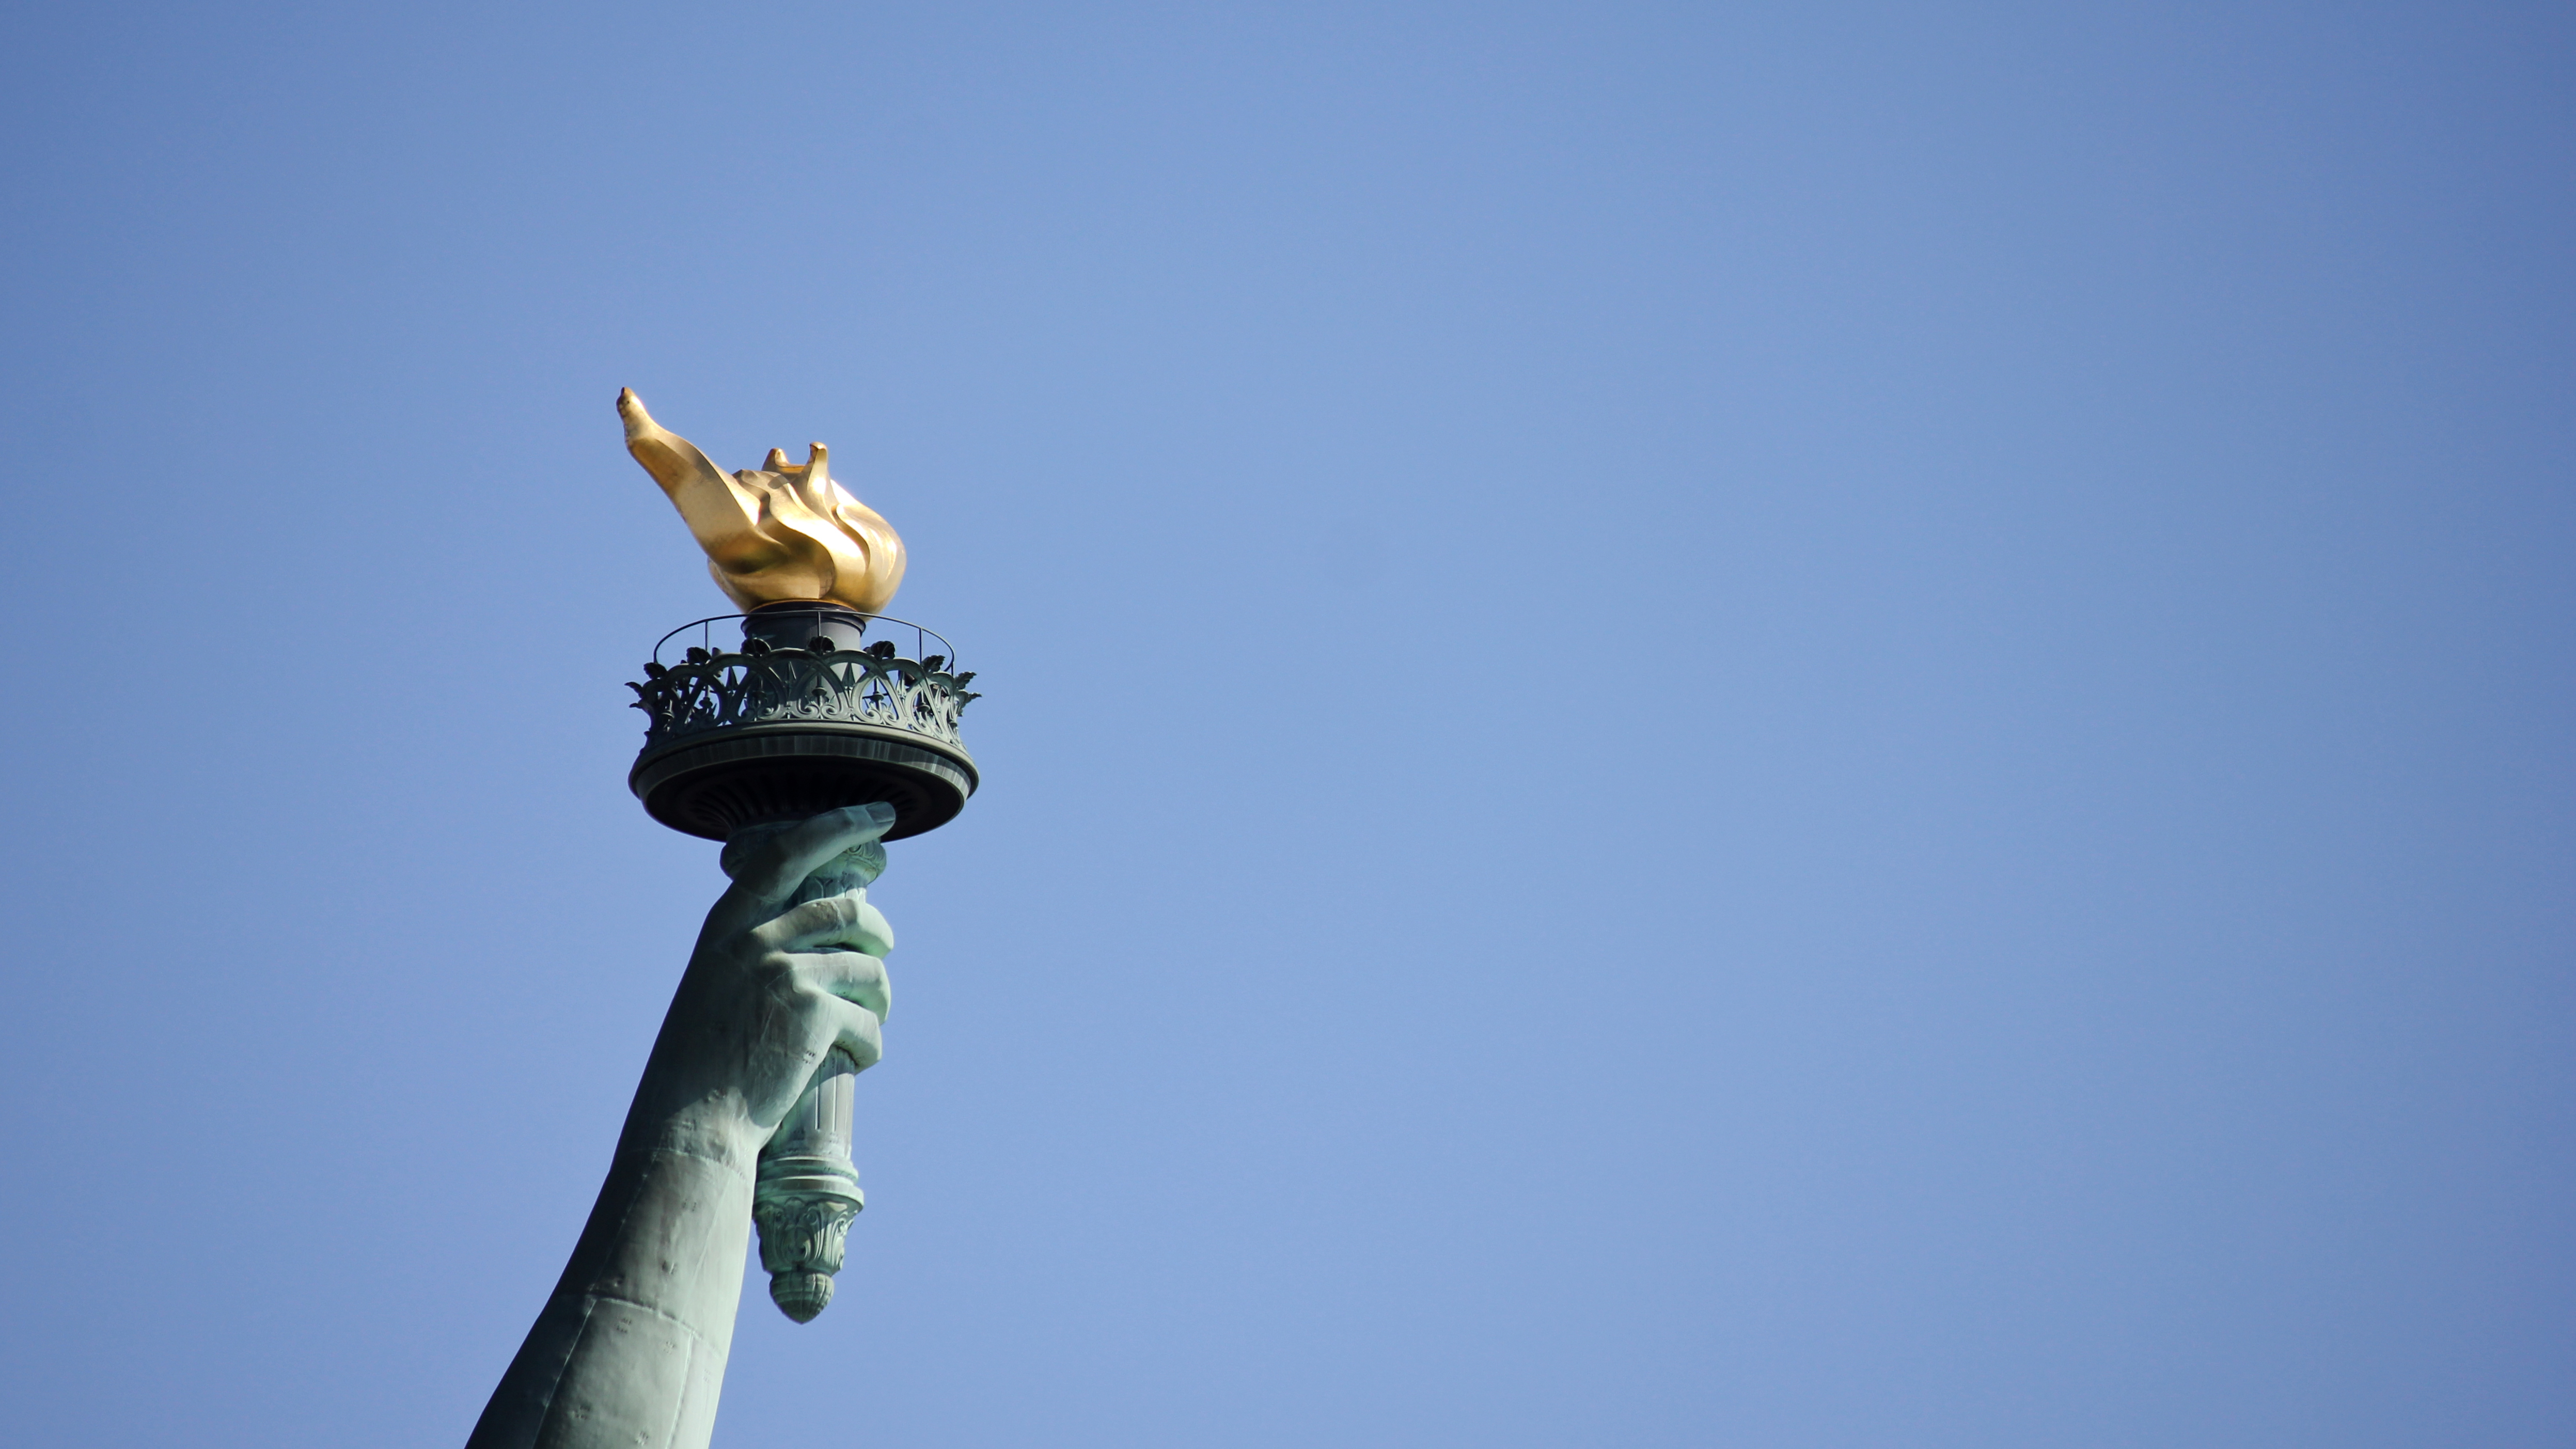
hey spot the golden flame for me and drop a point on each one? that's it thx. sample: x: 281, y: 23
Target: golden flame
x: 777, y: 534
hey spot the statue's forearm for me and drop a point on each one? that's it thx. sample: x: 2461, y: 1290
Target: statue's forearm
x: 630, y: 1350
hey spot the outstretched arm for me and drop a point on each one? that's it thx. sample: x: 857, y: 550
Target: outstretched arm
x: 630, y: 1349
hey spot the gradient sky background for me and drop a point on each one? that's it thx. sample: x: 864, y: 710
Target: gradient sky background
x: 1821, y: 725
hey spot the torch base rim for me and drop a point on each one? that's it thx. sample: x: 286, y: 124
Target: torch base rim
x: 716, y: 785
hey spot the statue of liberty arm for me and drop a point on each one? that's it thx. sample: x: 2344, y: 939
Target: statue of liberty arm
x: 786, y: 987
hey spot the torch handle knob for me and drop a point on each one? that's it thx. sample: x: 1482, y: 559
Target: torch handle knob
x: 807, y: 1193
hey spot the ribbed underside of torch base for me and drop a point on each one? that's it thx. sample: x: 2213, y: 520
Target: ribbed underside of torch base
x: 713, y: 785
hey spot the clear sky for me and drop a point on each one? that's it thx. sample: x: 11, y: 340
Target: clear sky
x: 1799, y: 725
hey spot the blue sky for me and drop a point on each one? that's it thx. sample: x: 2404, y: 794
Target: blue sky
x: 1791, y: 726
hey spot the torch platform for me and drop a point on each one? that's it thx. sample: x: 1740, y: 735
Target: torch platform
x: 804, y: 714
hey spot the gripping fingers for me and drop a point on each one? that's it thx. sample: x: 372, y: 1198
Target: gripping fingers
x: 853, y: 976
x: 780, y: 865
x: 858, y: 1032
x: 843, y: 920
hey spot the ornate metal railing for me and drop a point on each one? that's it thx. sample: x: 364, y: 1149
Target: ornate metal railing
x: 708, y: 687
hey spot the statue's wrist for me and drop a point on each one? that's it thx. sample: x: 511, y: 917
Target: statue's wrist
x: 670, y: 1237
x: 713, y: 1131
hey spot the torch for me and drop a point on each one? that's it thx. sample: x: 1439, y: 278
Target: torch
x: 809, y: 700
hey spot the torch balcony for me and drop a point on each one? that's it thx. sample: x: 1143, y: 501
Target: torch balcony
x: 803, y: 715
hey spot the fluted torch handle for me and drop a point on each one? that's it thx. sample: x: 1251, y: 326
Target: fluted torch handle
x: 808, y: 1194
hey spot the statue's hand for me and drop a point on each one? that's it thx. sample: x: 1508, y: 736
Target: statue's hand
x: 773, y: 987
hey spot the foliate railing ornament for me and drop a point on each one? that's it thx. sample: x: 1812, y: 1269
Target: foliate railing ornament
x: 806, y: 713
x: 763, y: 684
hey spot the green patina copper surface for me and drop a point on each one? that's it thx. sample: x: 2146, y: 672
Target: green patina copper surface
x: 784, y: 998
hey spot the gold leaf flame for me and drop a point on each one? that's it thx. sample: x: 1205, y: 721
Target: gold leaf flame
x: 783, y: 532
